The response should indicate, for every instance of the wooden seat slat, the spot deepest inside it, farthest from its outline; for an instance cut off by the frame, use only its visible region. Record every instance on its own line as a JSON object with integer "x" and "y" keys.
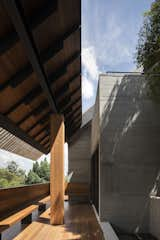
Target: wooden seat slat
{"x": 45, "y": 214}
{"x": 44, "y": 200}
{"x": 16, "y": 217}
{"x": 48, "y": 198}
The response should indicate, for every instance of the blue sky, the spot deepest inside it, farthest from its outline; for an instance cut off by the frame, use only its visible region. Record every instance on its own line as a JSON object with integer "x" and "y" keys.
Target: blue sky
{"x": 109, "y": 38}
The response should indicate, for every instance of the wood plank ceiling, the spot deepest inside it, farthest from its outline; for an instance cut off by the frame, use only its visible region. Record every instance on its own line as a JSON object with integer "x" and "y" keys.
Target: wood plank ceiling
{"x": 40, "y": 68}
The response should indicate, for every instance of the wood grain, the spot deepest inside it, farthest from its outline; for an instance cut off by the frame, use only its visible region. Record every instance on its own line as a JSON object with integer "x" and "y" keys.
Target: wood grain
{"x": 14, "y": 199}
{"x": 18, "y": 216}
{"x": 80, "y": 223}
{"x": 57, "y": 169}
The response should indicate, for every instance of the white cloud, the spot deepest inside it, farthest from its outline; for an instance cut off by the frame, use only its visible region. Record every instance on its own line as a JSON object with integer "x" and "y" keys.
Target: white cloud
{"x": 89, "y": 62}
{"x": 87, "y": 88}
{"x": 24, "y": 163}
{"x": 116, "y": 45}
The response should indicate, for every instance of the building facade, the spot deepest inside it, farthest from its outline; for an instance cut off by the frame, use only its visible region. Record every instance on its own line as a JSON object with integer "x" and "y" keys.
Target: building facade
{"x": 125, "y": 150}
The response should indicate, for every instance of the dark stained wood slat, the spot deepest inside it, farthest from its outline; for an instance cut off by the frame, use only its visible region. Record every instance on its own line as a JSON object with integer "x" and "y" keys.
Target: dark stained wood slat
{"x": 27, "y": 70}
{"x": 45, "y": 55}
{"x": 67, "y": 109}
{"x": 16, "y": 12}
{"x": 13, "y": 199}
{"x": 67, "y": 99}
{"x": 52, "y": 79}
{"x": 80, "y": 223}
{"x": 35, "y": 112}
{"x": 7, "y": 124}
{"x": 71, "y": 45}
{"x": 36, "y": 19}
{"x": 44, "y": 104}
{"x": 40, "y": 121}
{"x": 45, "y": 128}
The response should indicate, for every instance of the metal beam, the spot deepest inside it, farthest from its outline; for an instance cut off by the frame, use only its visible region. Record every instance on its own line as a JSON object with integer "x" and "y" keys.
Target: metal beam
{"x": 7, "y": 124}
{"x": 16, "y": 13}
{"x": 45, "y": 55}
{"x": 36, "y": 19}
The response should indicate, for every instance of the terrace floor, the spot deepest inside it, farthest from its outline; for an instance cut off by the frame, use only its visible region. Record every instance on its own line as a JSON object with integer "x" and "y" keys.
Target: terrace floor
{"x": 80, "y": 223}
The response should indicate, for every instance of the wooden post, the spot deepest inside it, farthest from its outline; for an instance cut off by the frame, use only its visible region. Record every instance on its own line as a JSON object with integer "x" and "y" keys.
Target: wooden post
{"x": 57, "y": 170}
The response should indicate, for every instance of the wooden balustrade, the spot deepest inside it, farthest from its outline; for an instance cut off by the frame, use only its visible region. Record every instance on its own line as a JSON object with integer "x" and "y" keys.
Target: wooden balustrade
{"x": 12, "y": 199}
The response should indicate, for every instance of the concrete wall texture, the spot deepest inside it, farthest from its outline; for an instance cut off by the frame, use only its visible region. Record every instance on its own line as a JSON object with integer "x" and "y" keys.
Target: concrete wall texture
{"x": 155, "y": 216}
{"x": 79, "y": 155}
{"x": 129, "y": 150}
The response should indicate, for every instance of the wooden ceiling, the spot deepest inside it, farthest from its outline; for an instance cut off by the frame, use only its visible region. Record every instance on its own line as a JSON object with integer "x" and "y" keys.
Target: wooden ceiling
{"x": 40, "y": 68}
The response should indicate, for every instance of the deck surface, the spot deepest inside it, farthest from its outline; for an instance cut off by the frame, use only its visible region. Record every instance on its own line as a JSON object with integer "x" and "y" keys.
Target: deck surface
{"x": 80, "y": 223}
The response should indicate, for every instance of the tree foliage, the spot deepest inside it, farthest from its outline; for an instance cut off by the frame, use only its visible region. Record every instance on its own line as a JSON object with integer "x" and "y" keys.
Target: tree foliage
{"x": 148, "y": 49}
{"x": 40, "y": 173}
{"x": 13, "y": 175}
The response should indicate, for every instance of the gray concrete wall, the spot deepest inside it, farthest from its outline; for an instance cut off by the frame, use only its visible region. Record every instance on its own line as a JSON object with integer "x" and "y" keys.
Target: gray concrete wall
{"x": 95, "y": 129}
{"x": 155, "y": 216}
{"x": 79, "y": 155}
{"x": 129, "y": 150}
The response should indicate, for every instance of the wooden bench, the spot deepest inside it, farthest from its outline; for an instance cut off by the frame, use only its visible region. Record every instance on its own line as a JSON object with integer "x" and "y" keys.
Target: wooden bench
{"x": 24, "y": 215}
{"x": 42, "y": 203}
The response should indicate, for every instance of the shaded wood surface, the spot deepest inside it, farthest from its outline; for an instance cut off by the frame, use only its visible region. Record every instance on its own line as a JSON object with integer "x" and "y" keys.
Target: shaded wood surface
{"x": 13, "y": 199}
{"x": 79, "y": 223}
{"x": 57, "y": 37}
{"x": 75, "y": 188}
{"x": 7, "y": 222}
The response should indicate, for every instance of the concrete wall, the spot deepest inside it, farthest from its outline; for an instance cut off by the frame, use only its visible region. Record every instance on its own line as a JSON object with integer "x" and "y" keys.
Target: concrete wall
{"x": 155, "y": 216}
{"x": 79, "y": 155}
{"x": 95, "y": 129}
{"x": 129, "y": 150}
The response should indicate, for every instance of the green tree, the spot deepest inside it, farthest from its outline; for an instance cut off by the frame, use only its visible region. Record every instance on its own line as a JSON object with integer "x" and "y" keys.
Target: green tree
{"x": 11, "y": 176}
{"x": 12, "y": 167}
{"x": 40, "y": 173}
{"x": 148, "y": 49}
{"x": 44, "y": 170}
{"x": 32, "y": 178}
{"x": 36, "y": 167}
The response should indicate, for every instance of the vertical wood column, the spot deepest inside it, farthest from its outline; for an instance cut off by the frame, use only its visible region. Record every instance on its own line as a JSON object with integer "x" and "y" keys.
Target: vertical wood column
{"x": 57, "y": 169}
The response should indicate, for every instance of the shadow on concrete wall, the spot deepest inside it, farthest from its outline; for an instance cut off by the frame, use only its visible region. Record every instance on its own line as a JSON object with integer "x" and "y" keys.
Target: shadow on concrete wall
{"x": 129, "y": 149}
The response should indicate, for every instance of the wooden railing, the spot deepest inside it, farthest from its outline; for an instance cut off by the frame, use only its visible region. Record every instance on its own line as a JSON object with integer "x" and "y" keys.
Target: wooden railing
{"x": 77, "y": 188}
{"x": 12, "y": 199}
{"x": 15, "y": 198}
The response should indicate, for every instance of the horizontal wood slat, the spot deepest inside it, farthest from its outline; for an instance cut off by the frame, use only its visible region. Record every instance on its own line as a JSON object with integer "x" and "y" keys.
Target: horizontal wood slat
{"x": 12, "y": 199}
